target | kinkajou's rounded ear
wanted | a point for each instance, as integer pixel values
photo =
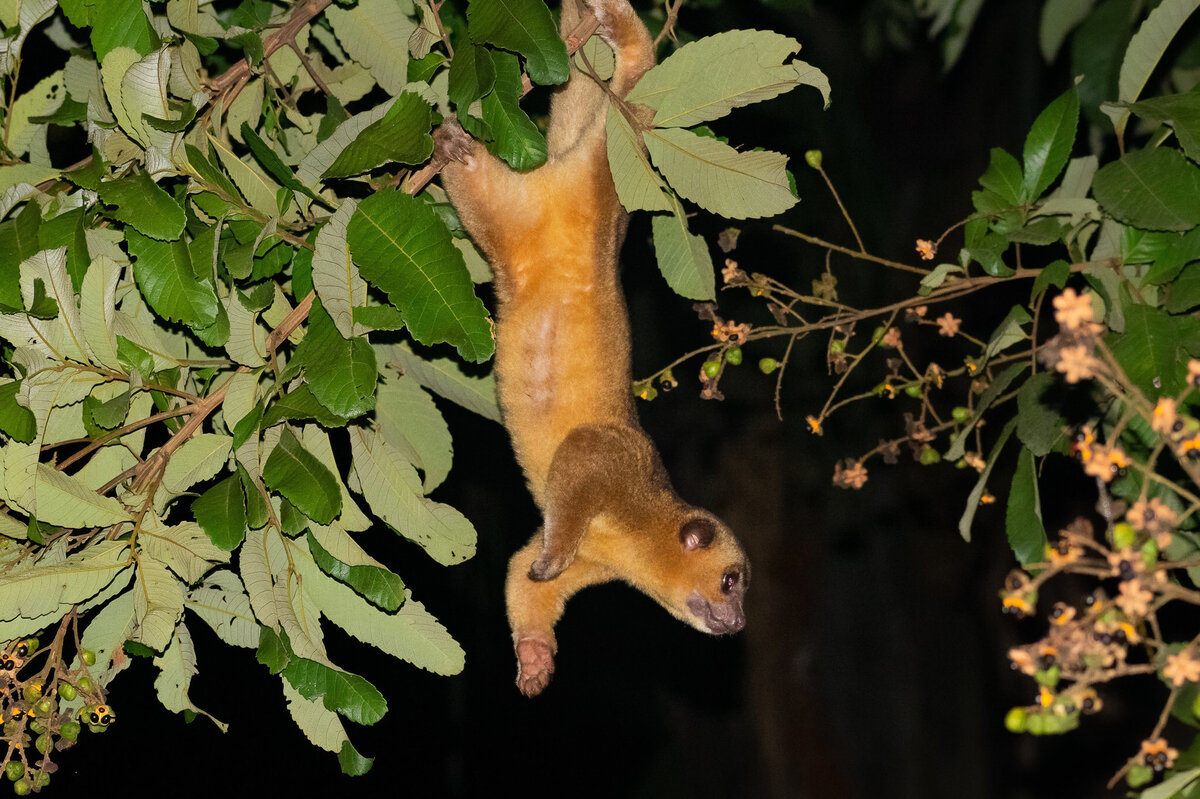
(697, 533)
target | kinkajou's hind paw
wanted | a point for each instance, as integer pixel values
(547, 568)
(535, 665)
(452, 143)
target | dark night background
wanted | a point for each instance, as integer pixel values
(873, 663)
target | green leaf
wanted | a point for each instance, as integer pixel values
(1151, 189)
(50, 589)
(718, 178)
(63, 500)
(409, 420)
(271, 162)
(209, 174)
(1004, 177)
(1048, 145)
(299, 404)
(1152, 348)
(525, 27)
(392, 489)
(1059, 17)
(256, 505)
(402, 135)
(18, 241)
(121, 23)
(968, 516)
(1181, 112)
(377, 585)
(302, 480)
(375, 34)
(334, 275)
(353, 764)
(445, 377)
(1146, 48)
(958, 447)
(221, 513)
(1039, 426)
(164, 275)
(638, 186)
(1054, 274)
(346, 694)
(682, 256)
(1008, 332)
(1023, 517)
(404, 248)
(222, 603)
(1173, 786)
(340, 373)
(16, 421)
(472, 74)
(1184, 293)
(515, 138)
(143, 205)
(273, 650)
(740, 67)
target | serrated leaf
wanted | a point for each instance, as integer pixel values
(638, 186)
(409, 420)
(300, 404)
(258, 189)
(1039, 426)
(273, 650)
(314, 164)
(222, 603)
(1004, 177)
(472, 74)
(1181, 112)
(18, 241)
(273, 163)
(1059, 17)
(1048, 145)
(221, 512)
(35, 593)
(404, 248)
(445, 378)
(164, 275)
(515, 138)
(1023, 515)
(122, 23)
(347, 694)
(402, 135)
(718, 178)
(1151, 189)
(157, 604)
(302, 480)
(1053, 274)
(525, 27)
(377, 585)
(143, 205)
(62, 500)
(392, 489)
(16, 421)
(352, 763)
(1008, 332)
(1146, 48)
(374, 34)
(411, 633)
(682, 256)
(340, 373)
(97, 310)
(740, 67)
(199, 458)
(334, 275)
(968, 516)
(177, 666)
(1152, 347)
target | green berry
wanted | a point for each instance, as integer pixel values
(733, 356)
(960, 414)
(767, 365)
(44, 743)
(36, 727)
(837, 345)
(88, 657)
(32, 692)
(66, 691)
(649, 393)
(929, 456)
(41, 780)
(22, 787)
(44, 706)
(1035, 723)
(14, 770)
(711, 368)
(913, 390)
(85, 684)
(877, 334)
(1014, 720)
(813, 158)
(1139, 775)
(69, 730)
(1123, 535)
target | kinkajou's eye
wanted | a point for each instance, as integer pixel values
(728, 581)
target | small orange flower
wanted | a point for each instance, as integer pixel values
(1022, 661)
(926, 249)
(852, 476)
(1126, 563)
(1134, 599)
(732, 273)
(1076, 363)
(948, 324)
(891, 338)
(1182, 667)
(1164, 417)
(987, 499)
(1063, 552)
(1152, 517)
(1072, 310)
(814, 424)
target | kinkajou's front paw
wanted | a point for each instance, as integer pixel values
(452, 143)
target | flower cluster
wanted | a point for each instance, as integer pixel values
(1071, 352)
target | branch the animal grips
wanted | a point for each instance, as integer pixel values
(563, 373)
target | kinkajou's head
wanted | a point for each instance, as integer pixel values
(716, 576)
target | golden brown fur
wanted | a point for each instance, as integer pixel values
(563, 373)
